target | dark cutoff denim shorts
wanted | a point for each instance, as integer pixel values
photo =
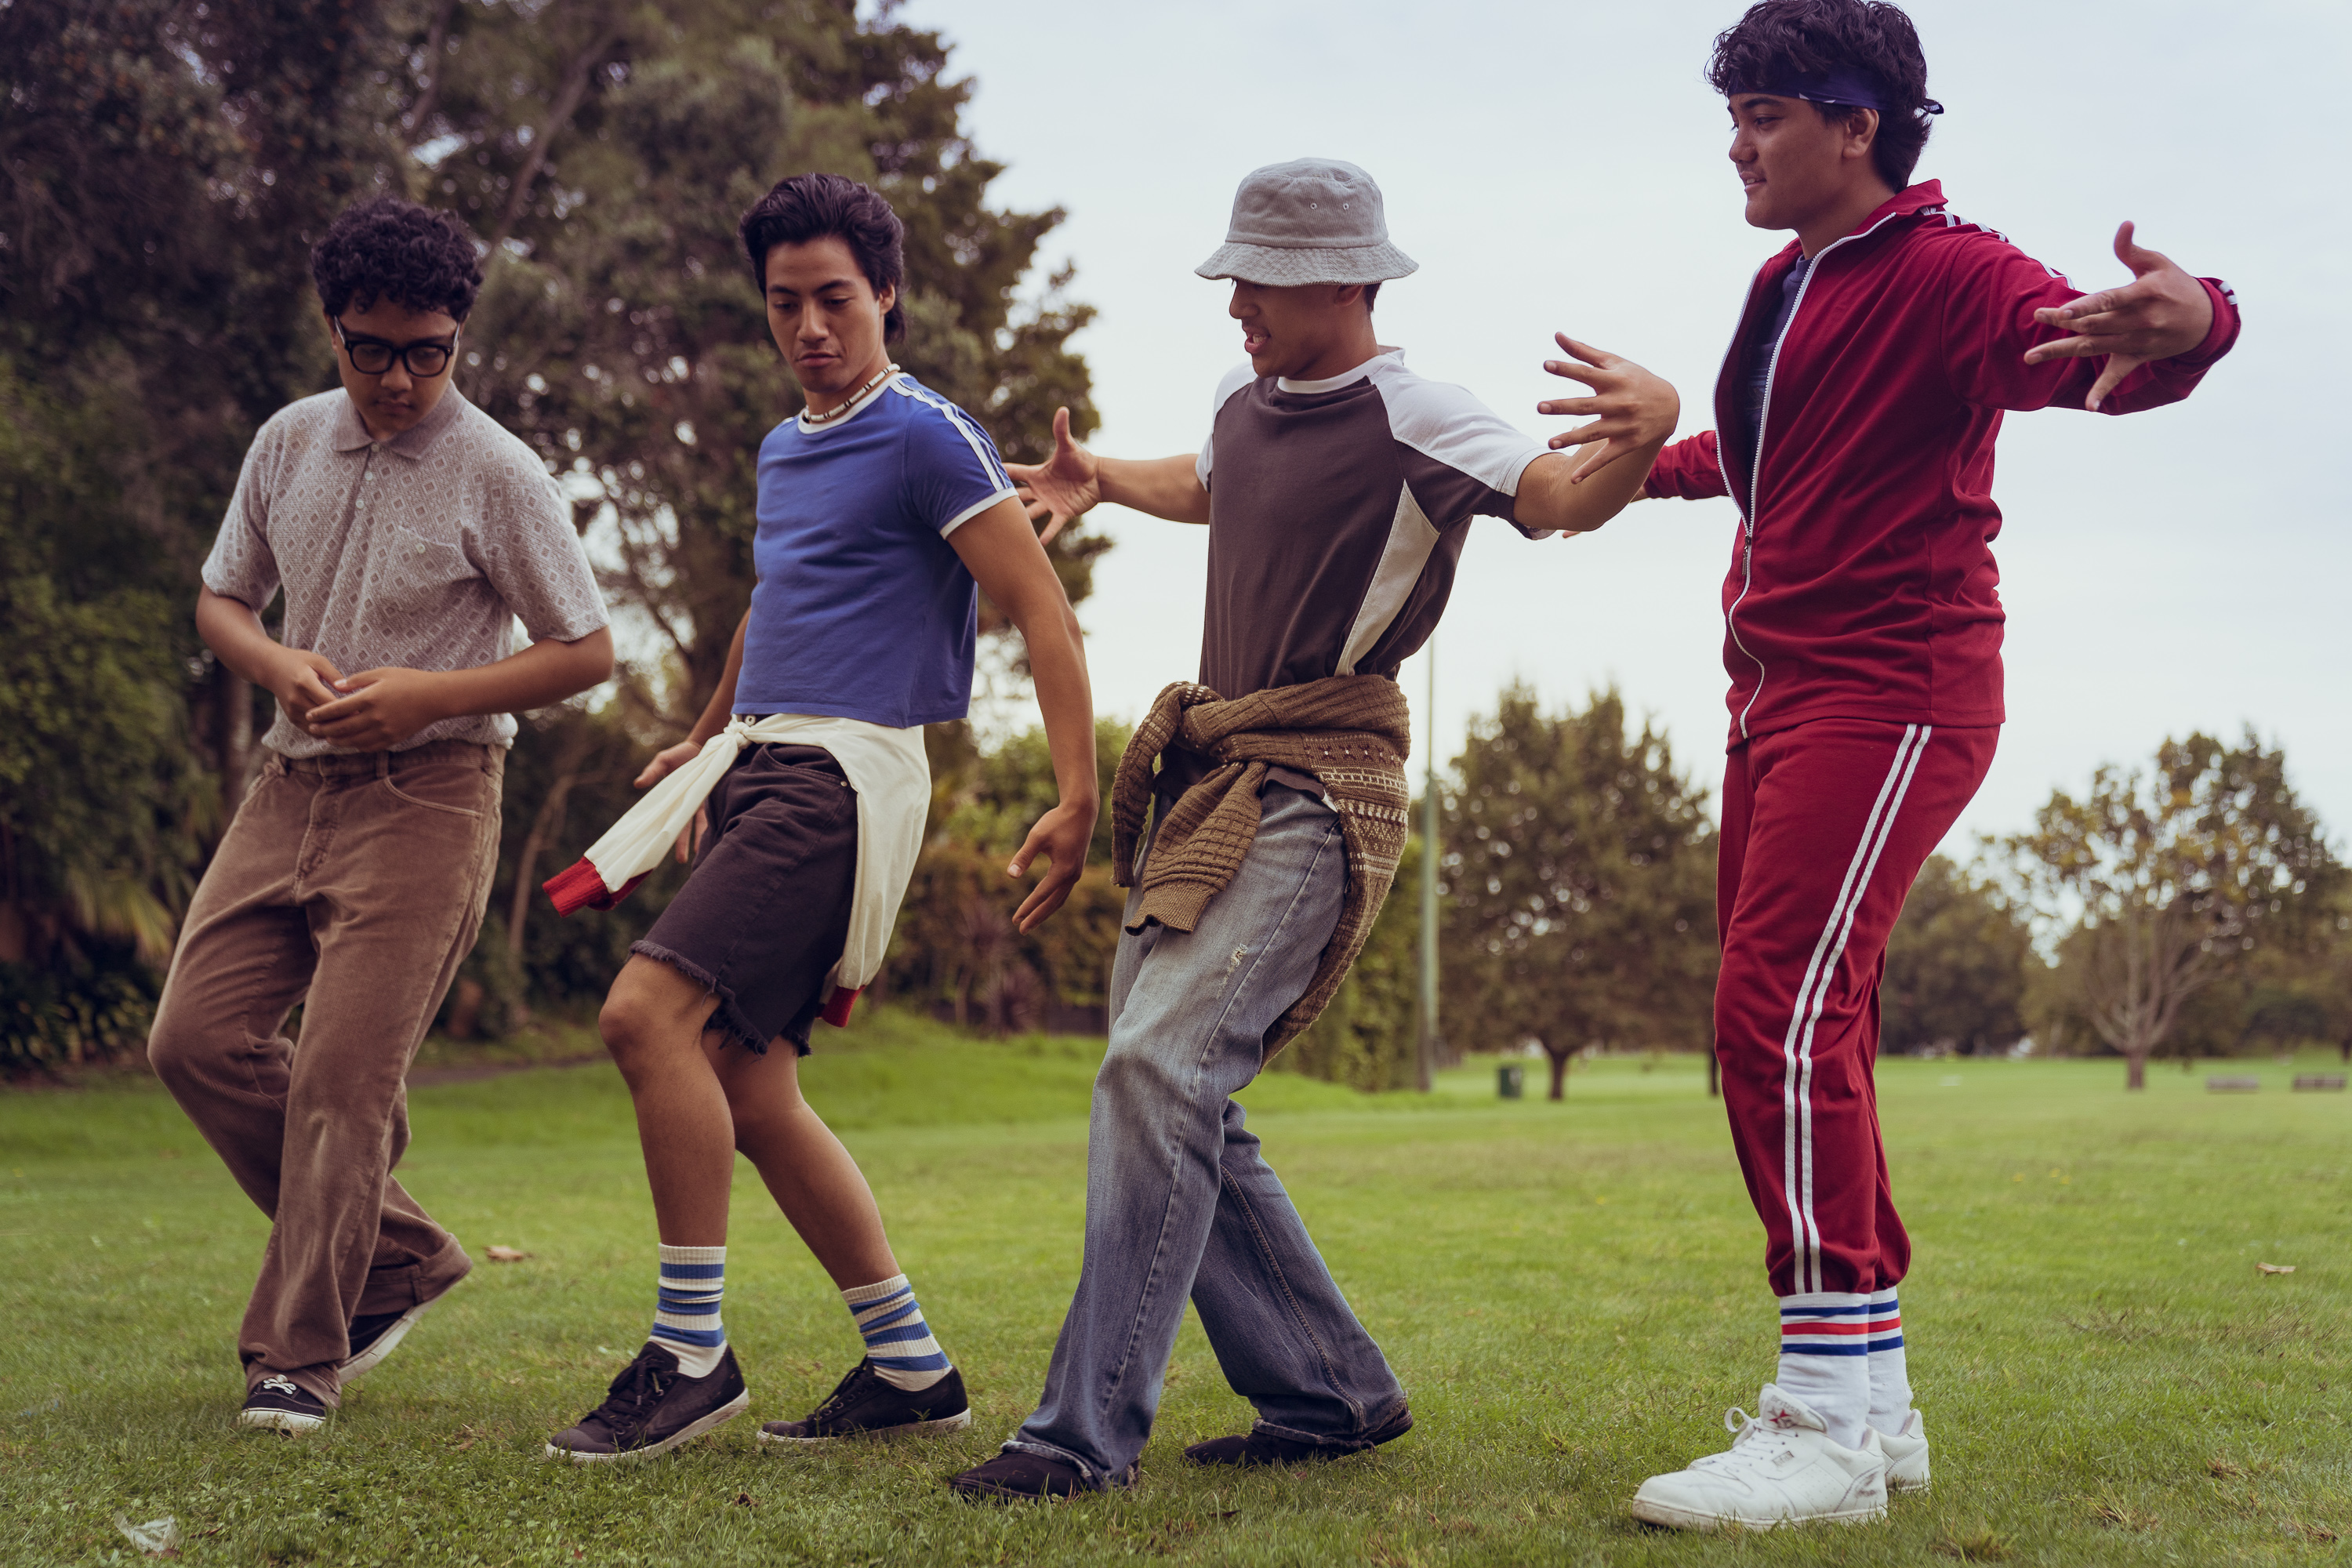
(762, 920)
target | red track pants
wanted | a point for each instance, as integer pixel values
(1824, 826)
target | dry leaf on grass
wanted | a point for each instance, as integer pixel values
(506, 1255)
(2275, 1268)
(2224, 1469)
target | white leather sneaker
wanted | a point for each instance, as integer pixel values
(1906, 1454)
(1781, 1469)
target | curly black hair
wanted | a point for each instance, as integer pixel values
(386, 249)
(815, 206)
(1780, 40)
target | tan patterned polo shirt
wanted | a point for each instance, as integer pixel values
(421, 551)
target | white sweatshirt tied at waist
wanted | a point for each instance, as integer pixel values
(888, 769)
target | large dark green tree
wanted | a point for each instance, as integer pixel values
(1578, 873)
(164, 167)
(161, 167)
(606, 152)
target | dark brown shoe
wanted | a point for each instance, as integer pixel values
(652, 1407)
(1260, 1446)
(1020, 1477)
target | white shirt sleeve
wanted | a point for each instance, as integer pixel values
(1241, 375)
(1447, 424)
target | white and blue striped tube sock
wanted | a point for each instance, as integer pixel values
(1825, 1360)
(898, 1341)
(685, 1316)
(1890, 1384)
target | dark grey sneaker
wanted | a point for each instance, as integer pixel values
(375, 1335)
(281, 1404)
(1261, 1448)
(866, 1405)
(652, 1407)
(1016, 1476)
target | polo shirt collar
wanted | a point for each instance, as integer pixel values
(350, 434)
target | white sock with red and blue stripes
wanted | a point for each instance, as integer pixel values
(686, 1315)
(898, 1341)
(1890, 1384)
(1825, 1360)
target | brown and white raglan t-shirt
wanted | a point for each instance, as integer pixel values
(421, 551)
(1338, 511)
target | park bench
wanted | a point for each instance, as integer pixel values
(2233, 1083)
(2320, 1080)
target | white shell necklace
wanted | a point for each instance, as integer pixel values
(830, 415)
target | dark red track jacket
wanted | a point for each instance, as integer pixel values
(1863, 583)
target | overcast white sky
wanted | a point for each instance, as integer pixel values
(1561, 165)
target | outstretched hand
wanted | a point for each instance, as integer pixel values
(1635, 408)
(2163, 311)
(1064, 487)
(1062, 836)
(667, 761)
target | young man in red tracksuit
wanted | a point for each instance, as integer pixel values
(1855, 425)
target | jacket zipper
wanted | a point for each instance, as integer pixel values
(1756, 465)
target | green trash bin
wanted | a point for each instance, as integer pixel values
(1511, 1081)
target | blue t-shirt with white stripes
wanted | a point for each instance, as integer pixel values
(863, 609)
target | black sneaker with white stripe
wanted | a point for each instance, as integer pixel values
(281, 1404)
(374, 1335)
(652, 1407)
(868, 1404)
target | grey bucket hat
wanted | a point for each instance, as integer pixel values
(1312, 220)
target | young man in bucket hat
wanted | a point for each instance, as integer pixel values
(1338, 488)
(1855, 418)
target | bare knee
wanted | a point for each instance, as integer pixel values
(651, 1012)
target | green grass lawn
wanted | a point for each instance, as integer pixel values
(1570, 1293)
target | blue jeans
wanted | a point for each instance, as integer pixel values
(1179, 1200)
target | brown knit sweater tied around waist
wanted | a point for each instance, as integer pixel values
(1351, 732)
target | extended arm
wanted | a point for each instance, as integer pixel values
(715, 714)
(1004, 556)
(1073, 480)
(1576, 492)
(2161, 314)
(2018, 336)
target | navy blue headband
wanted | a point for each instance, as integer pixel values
(1837, 87)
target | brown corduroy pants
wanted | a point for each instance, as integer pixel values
(352, 884)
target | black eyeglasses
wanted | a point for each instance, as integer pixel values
(373, 356)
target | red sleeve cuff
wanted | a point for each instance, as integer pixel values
(2222, 336)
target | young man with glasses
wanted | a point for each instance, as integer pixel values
(409, 533)
(1855, 424)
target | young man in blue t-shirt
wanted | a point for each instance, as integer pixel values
(881, 508)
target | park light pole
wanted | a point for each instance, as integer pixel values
(1426, 1055)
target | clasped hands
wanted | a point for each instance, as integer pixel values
(371, 712)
